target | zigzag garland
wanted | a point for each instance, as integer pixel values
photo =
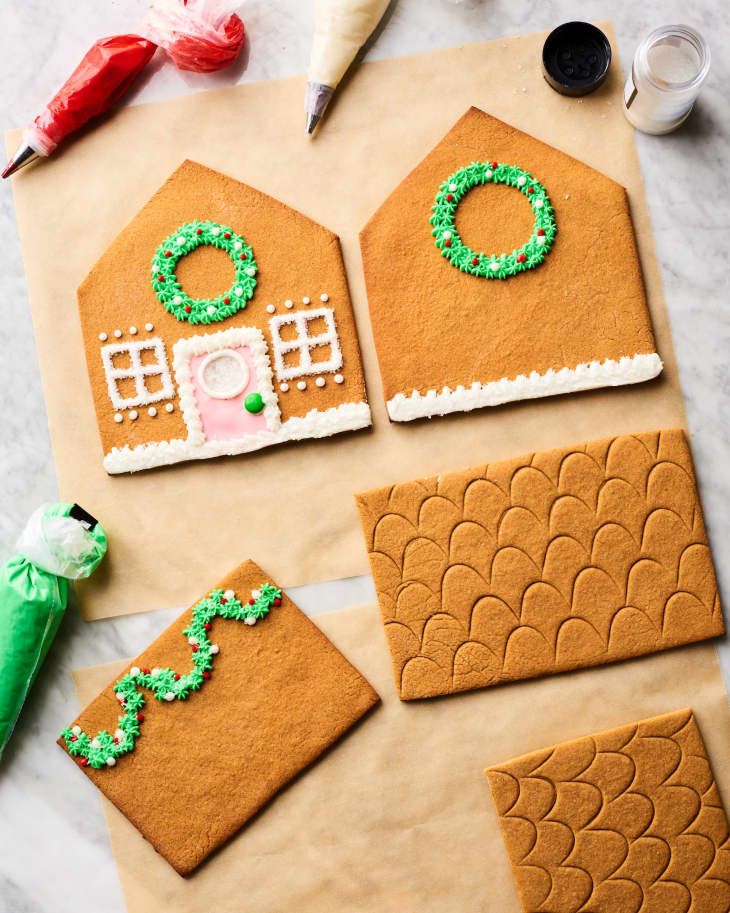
(103, 750)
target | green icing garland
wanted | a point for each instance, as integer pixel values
(492, 266)
(187, 238)
(166, 685)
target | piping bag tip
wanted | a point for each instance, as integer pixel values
(24, 155)
(312, 121)
(316, 100)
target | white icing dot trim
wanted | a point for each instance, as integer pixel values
(303, 343)
(149, 327)
(315, 424)
(137, 372)
(185, 349)
(587, 376)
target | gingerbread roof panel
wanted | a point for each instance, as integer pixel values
(218, 322)
(510, 269)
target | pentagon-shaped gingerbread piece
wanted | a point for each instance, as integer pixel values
(502, 269)
(218, 322)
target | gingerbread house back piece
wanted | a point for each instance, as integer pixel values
(503, 269)
(218, 322)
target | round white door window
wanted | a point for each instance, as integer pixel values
(223, 374)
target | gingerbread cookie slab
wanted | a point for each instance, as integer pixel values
(229, 704)
(503, 269)
(218, 322)
(548, 562)
(625, 820)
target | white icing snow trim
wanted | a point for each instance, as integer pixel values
(137, 372)
(235, 337)
(303, 343)
(315, 424)
(586, 376)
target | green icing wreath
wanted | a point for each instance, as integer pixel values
(492, 266)
(187, 238)
(105, 748)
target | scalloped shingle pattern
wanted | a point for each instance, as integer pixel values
(552, 561)
(626, 821)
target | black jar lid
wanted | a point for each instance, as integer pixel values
(575, 58)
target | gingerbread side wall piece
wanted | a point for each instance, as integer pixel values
(218, 322)
(553, 561)
(502, 269)
(214, 718)
(625, 820)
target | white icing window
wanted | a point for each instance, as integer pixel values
(305, 342)
(137, 373)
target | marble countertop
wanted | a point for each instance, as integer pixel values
(54, 849)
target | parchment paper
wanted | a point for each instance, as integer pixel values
(398, 816)
(174, 529)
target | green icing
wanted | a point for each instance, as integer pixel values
(254, 403)
(166, 684)
(492, 266)
(187, 238)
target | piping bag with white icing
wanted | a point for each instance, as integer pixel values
(61, 542)
(341, 28)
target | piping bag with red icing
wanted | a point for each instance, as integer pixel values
(198, 35)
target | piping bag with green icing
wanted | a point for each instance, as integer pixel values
(61, 542)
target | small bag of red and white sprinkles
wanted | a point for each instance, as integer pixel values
(198, 35)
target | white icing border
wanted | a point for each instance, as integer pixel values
(234, 337)
(315, 424)
(587, 376)
(137, 371)
(304, 343)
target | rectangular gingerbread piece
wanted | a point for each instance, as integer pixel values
(238, 696)
(625, 820)
(548, 562)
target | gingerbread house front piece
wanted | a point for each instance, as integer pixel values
(502, 269)
(218, 322)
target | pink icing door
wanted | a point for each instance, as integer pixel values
(228, 394)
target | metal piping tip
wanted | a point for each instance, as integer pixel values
(317, 99)
(24, 156)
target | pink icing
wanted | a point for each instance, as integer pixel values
(226, 419)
